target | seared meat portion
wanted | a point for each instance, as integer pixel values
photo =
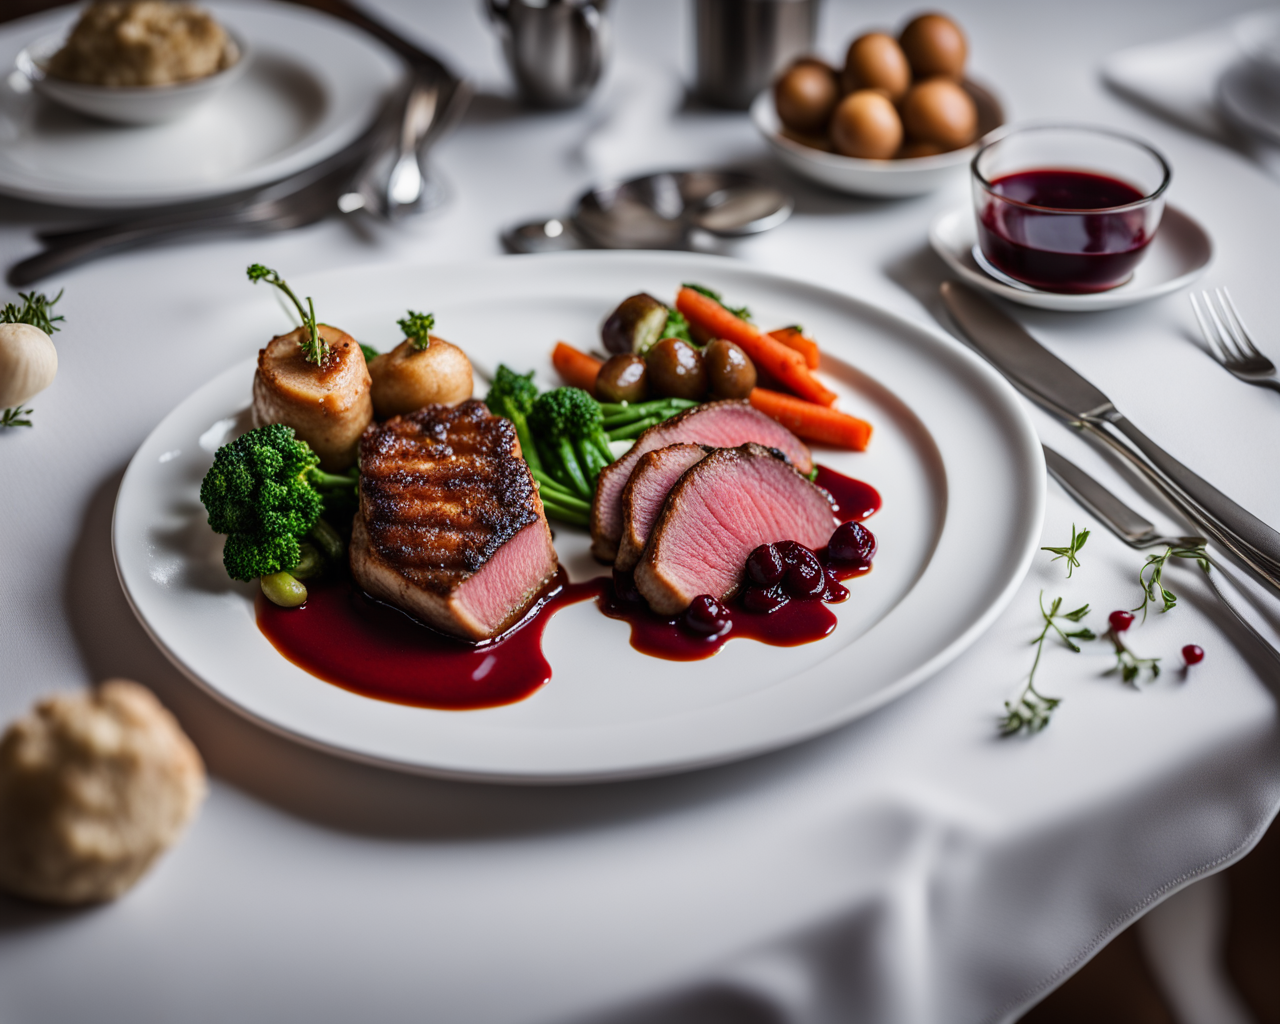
(720, 511)
(328, 406)
(723, 424)
(450, 527)
(646, 492)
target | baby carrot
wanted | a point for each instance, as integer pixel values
(578, 369)
(813, 422)
(782, 363)
(794, 338)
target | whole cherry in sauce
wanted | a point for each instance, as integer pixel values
(805, 576)
(1193, 654)
(766, 566)
(707, 616)
(1120, 621)
(852, 542)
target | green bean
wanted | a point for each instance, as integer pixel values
(633, 430)
(283, 589)
(310, 564)
(328, 540)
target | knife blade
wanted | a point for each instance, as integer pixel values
(1046, 379)
(1134, 530)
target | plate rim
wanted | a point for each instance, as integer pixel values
(274, 169)
(1062, 303)
(1011, 409)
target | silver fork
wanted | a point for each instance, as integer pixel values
(1230, 342)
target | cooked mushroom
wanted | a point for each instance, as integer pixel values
(635, 325)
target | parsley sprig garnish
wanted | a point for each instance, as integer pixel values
(417, 328)
(314, 349)
(15, 417)
(1150, 576)
(1032, 710)
(36, 310)
(1071, 551)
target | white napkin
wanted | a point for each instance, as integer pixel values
(1179, 79)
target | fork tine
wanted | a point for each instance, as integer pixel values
(1210, 335)
(1242, 332)
(1225, 337)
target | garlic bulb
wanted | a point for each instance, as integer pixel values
(28, 363)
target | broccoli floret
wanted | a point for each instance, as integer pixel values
(569, 426)
(512, 395)
(265, 492)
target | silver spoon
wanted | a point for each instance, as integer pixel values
(658, 211)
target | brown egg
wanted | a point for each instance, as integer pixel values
(866, 125)
(939, 111)
(876, 61)
(934, 45)
(912, 150)
(805, 96)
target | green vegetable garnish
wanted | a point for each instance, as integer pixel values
(35, 310)
(315, 349)
(266, 494)
(1032, 710)
(417, 328)
(1071, 550)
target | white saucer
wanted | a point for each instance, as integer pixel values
(1180, 252)
(310, 87)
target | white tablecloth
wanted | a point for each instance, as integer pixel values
(909, 868)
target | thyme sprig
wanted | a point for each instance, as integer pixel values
(1032, 710)
(1071, 551)
(36, 310)
(1128, 664)
(1150, 576)
(314, 349)
(15, 417)
(417, 328)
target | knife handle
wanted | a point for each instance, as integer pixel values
(1249, 529)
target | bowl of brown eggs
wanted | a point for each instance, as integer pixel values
(900, 118)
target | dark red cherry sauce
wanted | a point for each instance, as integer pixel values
(345, 637)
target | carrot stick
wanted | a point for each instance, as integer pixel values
(794, 339)
(782, 363)
(578, 369)
(813, 422)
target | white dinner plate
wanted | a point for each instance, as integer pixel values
(311, 86)
(954, 456)
(1180, 252)
(882, 178)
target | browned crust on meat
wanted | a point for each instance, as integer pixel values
(327, 406)
(441, 491)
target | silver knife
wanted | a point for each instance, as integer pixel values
(1046, 379)
(1132, 528)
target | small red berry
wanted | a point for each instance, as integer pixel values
(1120, 621)
(1193, 654)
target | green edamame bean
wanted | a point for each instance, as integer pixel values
(283, 589)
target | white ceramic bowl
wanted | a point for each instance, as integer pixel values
(911, 177)
(137, 105)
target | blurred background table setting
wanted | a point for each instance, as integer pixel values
(1033, 782)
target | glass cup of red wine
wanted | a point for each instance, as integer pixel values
(1066, 208)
